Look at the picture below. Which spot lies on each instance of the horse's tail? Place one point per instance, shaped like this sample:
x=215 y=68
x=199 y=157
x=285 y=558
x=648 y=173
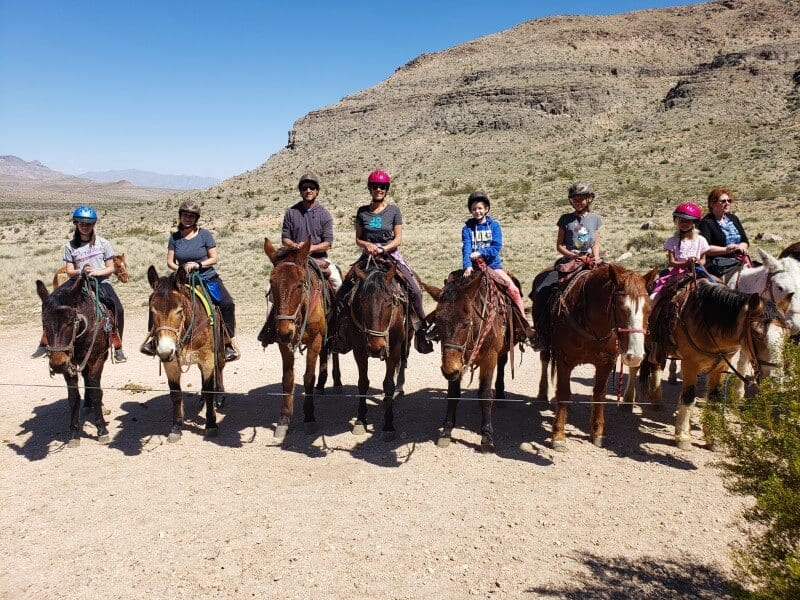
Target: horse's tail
x=644 y=372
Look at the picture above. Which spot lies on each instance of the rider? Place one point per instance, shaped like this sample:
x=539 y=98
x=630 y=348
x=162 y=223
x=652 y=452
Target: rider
x=307 y=218
x=379 y=232
x=482 y=237
x=93 y=255
x=686 y=249
x=193 y=248
x=728 y=243
x=578 y=239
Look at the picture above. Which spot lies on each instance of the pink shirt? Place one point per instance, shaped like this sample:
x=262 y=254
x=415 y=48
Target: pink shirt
x=686 y=248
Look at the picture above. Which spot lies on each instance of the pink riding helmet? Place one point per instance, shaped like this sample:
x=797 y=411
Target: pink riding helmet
x=379 y=177
x=687 y=210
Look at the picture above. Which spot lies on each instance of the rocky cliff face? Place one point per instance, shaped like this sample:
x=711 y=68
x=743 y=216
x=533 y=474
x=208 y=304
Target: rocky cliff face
x=664 y=102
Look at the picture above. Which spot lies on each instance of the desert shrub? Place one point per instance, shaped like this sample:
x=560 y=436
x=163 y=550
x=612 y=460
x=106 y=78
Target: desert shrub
x=762 y=441
x=649 y=240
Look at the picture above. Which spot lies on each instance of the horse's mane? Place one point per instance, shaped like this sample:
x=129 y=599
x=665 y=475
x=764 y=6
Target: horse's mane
x=166 y=285
x=793 y=251
x=454 y=286
x=716 y=307
x=374 y=283
x=63 y=296
x=284 y=253
x=632 y=283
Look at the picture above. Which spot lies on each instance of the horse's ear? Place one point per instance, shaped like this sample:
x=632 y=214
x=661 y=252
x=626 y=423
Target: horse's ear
x=359 y=273
x=302 y=253
x=41 y=289
x=770 y=261
x=389 y=275
x=613 y=274
x=434 y=291
x=180 y=277
x=755 y=304
x=269 y=250
x=152 y=277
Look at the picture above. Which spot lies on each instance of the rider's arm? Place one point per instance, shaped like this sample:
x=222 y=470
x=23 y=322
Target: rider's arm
x=560 y=247
x=596 y=244
x=398 y=239
x=171 y=260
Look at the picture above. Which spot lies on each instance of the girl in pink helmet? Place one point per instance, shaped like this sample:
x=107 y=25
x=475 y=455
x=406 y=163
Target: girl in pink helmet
x=687 y=248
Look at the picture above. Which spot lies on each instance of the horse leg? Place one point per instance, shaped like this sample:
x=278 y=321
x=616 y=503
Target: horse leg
x=742 y=362
x=287 y=406
x=337 y=375
x=74 y=398
x=453 y=394
x=683 y=420
x=486 y=400
x=673 y=372
x=323 y=371
x=313 y=351
x=91 y=381
x=544 y=358
x=629 y=399
x=209 y=388
x=401 y=374
x=500 y=379
x=563 y=394
x=173 y=371
x=714 y=402
x=360 y=426
x=597 y=413
x=394 y=364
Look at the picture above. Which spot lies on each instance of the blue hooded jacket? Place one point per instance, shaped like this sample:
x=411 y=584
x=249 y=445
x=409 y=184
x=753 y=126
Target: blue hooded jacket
x=485 y=238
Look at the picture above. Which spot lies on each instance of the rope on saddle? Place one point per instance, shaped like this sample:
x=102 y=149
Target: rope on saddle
x=493 y=305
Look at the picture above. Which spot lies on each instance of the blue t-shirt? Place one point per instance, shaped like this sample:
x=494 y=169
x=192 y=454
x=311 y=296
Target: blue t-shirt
x=728 y=227
x=485 y=238
x=193 y=250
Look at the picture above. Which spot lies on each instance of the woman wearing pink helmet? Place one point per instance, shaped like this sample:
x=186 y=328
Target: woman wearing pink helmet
x=687 y=248
x=379 y=231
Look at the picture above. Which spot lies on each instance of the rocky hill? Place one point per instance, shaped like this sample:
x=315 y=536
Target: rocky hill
x=149 y=179
x=651 y=105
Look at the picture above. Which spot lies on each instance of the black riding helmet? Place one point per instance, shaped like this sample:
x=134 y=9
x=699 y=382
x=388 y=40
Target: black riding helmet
x=475 y=196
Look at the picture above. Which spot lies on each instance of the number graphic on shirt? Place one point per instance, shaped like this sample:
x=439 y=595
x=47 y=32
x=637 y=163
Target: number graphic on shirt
x=374 y=223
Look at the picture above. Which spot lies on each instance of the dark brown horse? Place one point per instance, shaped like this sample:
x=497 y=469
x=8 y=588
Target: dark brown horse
x=601 y=314
x=376 y=323
x=301 y=313
x=187 y=331
x=707 y=325
x=75 y=322
x=473 y=320
x=792 y=251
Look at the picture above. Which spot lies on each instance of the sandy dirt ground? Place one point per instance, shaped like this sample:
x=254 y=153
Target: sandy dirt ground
x=338 y=516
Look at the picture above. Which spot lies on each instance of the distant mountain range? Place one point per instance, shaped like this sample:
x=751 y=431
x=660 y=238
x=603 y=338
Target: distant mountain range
x=16 y=170
x=152 y=180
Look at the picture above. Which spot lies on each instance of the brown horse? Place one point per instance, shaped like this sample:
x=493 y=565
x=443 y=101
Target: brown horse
x=376 y=323
x=710 y=323
x=301 y=314
x=601 y=314
x=75 y=323
x=120 y=270
x=186 y=331
x=791 y=251
x=473 y=320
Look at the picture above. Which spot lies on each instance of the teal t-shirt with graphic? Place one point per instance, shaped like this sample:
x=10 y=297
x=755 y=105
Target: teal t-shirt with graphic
x=378 y=228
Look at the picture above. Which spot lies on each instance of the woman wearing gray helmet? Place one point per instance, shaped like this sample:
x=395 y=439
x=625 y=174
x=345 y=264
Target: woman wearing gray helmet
x=578 y=240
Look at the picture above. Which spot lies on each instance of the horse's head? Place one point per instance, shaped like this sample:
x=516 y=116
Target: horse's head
x=63 y=324
x=455 y=320
x=121 y=268
x=783 y=287
x=288 y=286
x=376 y=301
x=631 y=306
x=168 y=308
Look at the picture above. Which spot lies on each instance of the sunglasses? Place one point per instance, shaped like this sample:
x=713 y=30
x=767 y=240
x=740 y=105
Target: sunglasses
x=305 y=188
x=723 y=201
x=378 y=186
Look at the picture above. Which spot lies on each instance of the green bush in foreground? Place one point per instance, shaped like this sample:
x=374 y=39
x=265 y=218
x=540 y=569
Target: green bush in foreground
x=762 y=440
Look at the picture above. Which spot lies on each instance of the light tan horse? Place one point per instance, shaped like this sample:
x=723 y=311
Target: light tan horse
x=120 y=270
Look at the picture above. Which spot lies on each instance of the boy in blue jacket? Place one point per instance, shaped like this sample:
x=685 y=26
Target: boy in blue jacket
x=482 y=237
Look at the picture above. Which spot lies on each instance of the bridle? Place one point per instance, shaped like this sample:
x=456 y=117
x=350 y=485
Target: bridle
x=397 y=299
x=305 y=301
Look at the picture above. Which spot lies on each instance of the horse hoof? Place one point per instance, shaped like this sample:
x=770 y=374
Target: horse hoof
x=599 y=440
x=443 y=441
x=319 y=391
x=487 y=448
x=212 y=431
x=389 y=436
x=104 y=438
x=359 y=429
x=280 y=431
x=74 y=443
x=684 y=444
x=337 y=389
x=174 y=436
x=310 y=427
x=559 y=445
x=399 y=394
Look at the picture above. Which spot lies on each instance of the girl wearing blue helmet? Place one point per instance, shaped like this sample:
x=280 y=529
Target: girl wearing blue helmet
x=89 y=253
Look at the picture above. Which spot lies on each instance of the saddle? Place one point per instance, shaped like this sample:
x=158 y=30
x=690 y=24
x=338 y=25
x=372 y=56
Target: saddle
x=569 y=268
x=664 y=318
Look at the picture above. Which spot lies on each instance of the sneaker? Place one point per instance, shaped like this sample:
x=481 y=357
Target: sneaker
x=147 y=348
x=422 y=344
x=230 y=353
x=40 y=352
x=119 y=356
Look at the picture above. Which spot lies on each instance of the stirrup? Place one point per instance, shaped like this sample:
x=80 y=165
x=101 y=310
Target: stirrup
x=148 y=348
x=40 y=352
x=231 y=353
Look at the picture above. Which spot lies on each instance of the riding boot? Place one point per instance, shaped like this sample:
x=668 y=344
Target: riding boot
x=267 y=335
x=116 y=343
x=148 y=347
x=232 y=350
x=42 y=349
x=337 y=341
x=522 y=326
x=421 y=343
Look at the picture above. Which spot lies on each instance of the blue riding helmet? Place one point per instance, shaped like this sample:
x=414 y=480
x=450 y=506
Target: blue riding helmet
x=84 y=214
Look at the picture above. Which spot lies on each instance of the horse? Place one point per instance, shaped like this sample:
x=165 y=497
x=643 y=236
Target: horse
x=76 y=324
x=120 y=270
x=186 y=331
x=474 y=322
x=301 y=316
x=711 y=323
x=599 y=315
x=791 y=251
x=376 y=323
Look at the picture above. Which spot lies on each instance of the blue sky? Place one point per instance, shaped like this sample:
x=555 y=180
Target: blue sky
x=211 y=88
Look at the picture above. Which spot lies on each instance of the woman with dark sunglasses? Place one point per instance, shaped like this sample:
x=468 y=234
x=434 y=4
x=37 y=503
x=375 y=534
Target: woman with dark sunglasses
x=728 y=246
x=379 y=231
